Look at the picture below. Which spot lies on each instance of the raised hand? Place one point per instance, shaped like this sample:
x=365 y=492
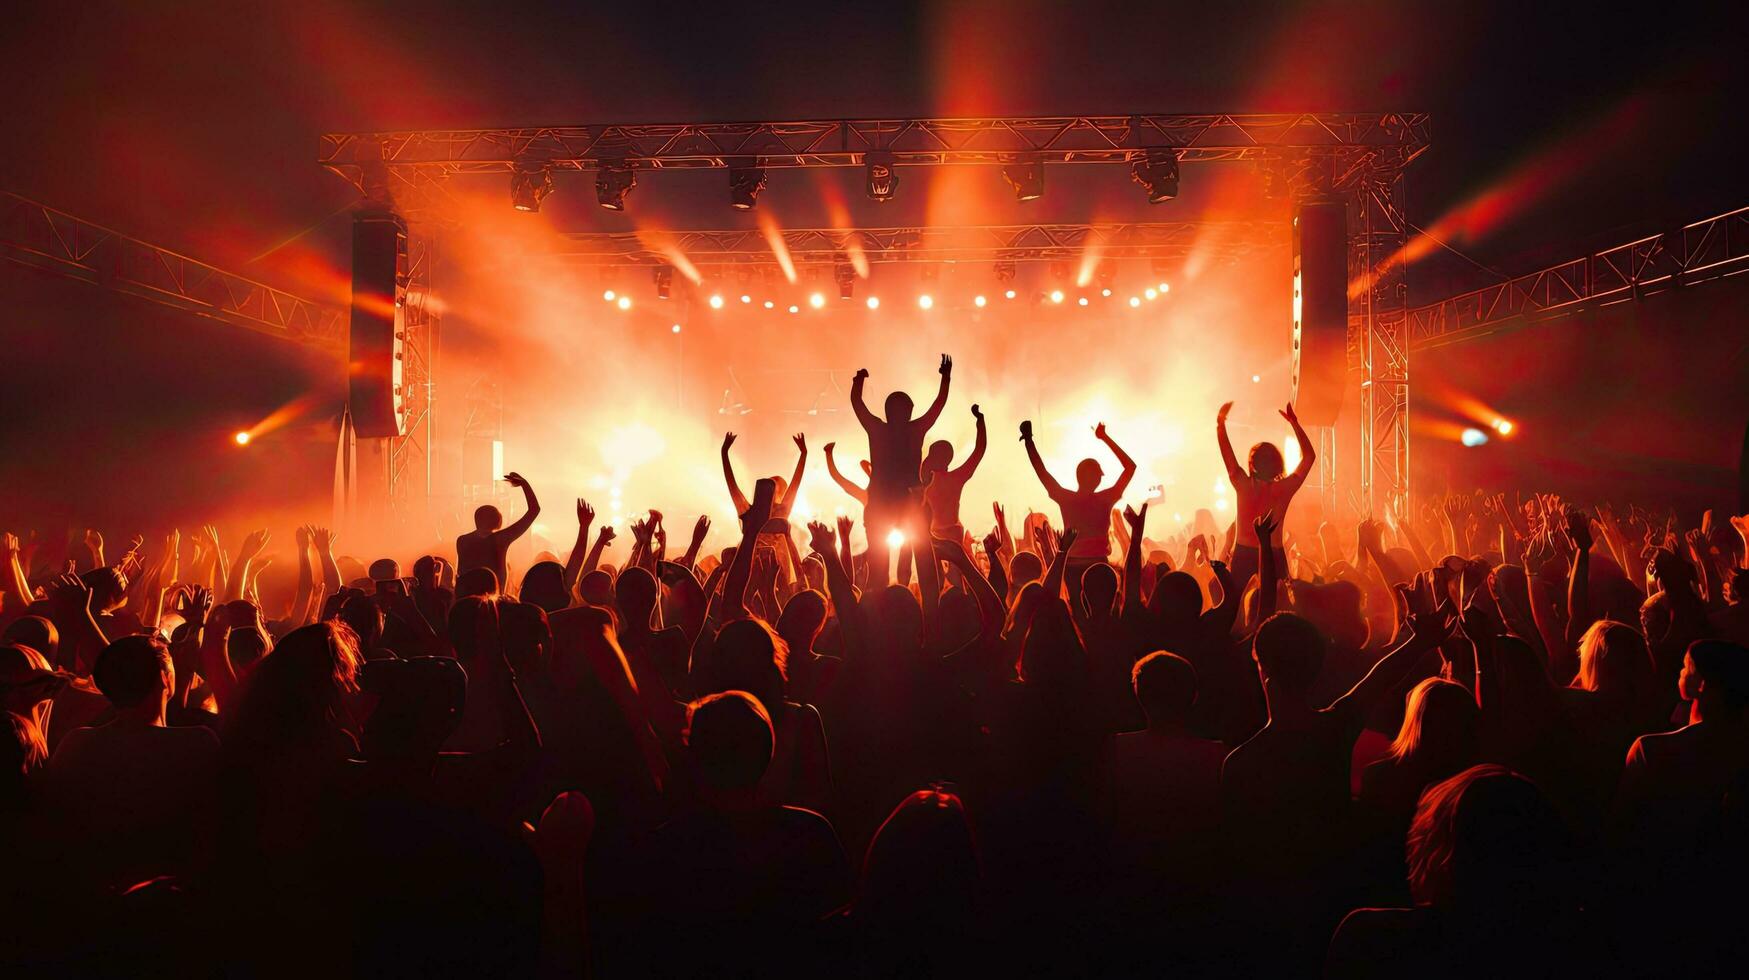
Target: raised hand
x=1431 y=628
x=1001 y=514
x=641 y=531
x=323 y=538
x=701 y=527
x=1136 y=519
x=844 y=526
x=1221 y=416
x=1266 y=525
x=194 y=603
x=1026 y=431
x=946 y=364
x=1289 y=414
x=993 y=542
x=93 y=540
x=821 y=539
x=801 y=441
x=1066 y=540
x=1578 y=529
x=302 y=535
x=585 y=513
x=1099 y=431
x=516 y=480
x=861 y=374
x=605 y=536
x=975 y=413
x=1371 y=535
x=70 y=596
x=253 y=543
x=728 y=440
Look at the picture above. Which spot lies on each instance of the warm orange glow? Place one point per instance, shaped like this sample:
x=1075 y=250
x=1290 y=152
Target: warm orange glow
x=895 y=538
x=768 y=226
x=874 y=302
x=816 y=300
x=716 y=302
x=624 y=302
x=1056 y=295
x=926 y=301
x=242 y=438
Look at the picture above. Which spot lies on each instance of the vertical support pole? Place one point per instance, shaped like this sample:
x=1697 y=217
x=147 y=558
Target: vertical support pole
x=1378 y=334
x=410 y=454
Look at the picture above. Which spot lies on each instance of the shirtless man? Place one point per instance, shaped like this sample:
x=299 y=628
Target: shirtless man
x=487 y=544
x=1262 y=489
x=1086 y=509
x=895 y=452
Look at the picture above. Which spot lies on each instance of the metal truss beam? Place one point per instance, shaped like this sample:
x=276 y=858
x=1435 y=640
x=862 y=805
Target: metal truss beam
x=38 y=236
x=1709 y=249
x=1014 y=243
x=1378 y=336
x=410 y=454
x=1388 y=140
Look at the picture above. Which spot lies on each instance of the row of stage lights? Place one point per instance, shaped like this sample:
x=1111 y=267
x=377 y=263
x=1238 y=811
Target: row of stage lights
x=532 y=180
x=925 y=301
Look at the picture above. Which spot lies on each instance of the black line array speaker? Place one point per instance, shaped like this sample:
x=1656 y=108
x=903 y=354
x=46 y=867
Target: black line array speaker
x=379 y=310
x=1320 y=310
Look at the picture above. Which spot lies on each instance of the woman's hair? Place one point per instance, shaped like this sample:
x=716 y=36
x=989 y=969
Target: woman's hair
x=109 y=587
x=1488 y=841
x=1614 y=661
x=1265 y=461
x=294 y=694
x=544 y=585
x=23 y=751
x=1440 y=725
x=922 y=865
x=801 y=619
x=747 y=656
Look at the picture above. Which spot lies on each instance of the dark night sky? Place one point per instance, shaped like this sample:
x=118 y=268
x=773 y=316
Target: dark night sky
x=195 y=124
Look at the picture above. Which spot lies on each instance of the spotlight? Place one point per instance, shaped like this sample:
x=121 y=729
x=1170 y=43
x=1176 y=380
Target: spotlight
x=716 y=302
x=874 y=302
x=845 y=276
x=675 y=328
x=1150 y=292
x=529 y=185
x=895 y=539
x=795 y=309
x=1056 y=295
x=1164 y=289
x=1473 y=437
x=612 y=183
x=664 y=277
x=1082 y=301
x=1027 y=177
x=1158 y=172
x=624 y=303
x=242 y=438
x=1135 y=301
x=1256 y=379
x=746 y=298
x=880 y=175
x=745 y=183
x=1005 y=270
x=926 y=301
x=770 y=305
x=816 y=300
x=979 y=300
x=1008 y=294
x=1503 y=427
x=608 y=295
x=1105 y=292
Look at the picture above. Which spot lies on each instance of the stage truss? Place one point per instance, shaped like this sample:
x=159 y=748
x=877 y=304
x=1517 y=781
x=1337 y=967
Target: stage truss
x=1359 y=157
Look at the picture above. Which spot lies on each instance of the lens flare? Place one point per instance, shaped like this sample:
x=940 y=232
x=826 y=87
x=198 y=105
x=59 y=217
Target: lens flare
x=624 y=303
x=895 y=538
x=816 y=300
x=874 y=302
x=926 y=301
x=1473 y=437
x=716 y=302
x=242 y=438
x=979 y=301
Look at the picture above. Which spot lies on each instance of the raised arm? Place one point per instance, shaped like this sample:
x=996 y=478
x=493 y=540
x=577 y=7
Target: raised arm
x=838 y=583
x=603 y=538
x=795 y=480
x=735 y=494
x=1132 y=560
x=324 y=542
x=1051 y=485
x=238 y=583
x=699 y=530
x=933 y=412
x=970 y=466
x=1053 y=584
x=863 y=415
x=1129 y=465
x=1308 y=452
x=526 y=521
x=857 y=493
x=989 y=602
x=1426 y=632
x=1267 y=574
x=580 y=548
x=741 y=570
x=1579 y=579
x=306 y=578
x=1235 y=472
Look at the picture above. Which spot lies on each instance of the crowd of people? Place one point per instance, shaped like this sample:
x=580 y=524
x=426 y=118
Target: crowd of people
x=1497 y=733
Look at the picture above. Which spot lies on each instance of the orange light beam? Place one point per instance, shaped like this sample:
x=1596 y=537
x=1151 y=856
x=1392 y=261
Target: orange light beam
x=774 y=238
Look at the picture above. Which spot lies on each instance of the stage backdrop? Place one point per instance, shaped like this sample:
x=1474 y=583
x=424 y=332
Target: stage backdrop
x=1641 y=401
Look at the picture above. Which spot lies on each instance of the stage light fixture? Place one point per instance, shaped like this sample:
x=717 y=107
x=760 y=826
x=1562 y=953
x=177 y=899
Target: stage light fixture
x=608 y=295
x=1150 y=292
x=1027 y=177
x=1135 y=301
x=1158 y=172
x=1503 y=427
x=1256 y=378
x=663 y=275
x=926 y=301
x=745 y=183
x=1056 y=295
x=716 y=302
x=530 y=183
x=1009 y=294
x=816 y=300
x=624 y=303
x=794 y=309
x=1082 y=301
x=1105 y=292
x=979 y=301
x=675 y=328
x=845 y=276
x=770 y=305
x=1164 y=288
x=242 y=438
x=880 y=175
x=874 y=302
x=1473 y=438
x=1005 y=271
x=746 y=298
x=612 y=183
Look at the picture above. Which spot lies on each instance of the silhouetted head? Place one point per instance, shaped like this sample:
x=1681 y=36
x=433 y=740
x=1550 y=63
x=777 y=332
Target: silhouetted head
x=27 y=682
x=476 y=582
x=464 y=625
x=366 y=619
x=1165 y=686
x=109 y=588
x=635 y=591
x=294 y=698
x=729 y=735
x=1441 y=725
x=896 y=620
x=544 y=585
x=1024 y=567
x=802 y=617
x=596 y=588
x=1289 y=652
x=1336 y=609
x=1613 y=660
x=135 y=671
x=1053 y=655
x=749 y=657
x=1487 y=841
x=487 y=518
x=1099 y=588
x=922 y=865
x=1265 y=461
x=899 y=407
x=523 y=633
x=1177 y=600
x=1716 y=674
x=246 y=645
x=940 y=454
x=1088 y=473
x=35 y=632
